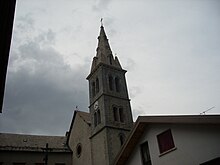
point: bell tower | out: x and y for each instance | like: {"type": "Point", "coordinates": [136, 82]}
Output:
{"type": "Point", "coordinates": [110, 110]}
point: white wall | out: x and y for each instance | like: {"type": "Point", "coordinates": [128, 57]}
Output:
{"type": "Point", "coordinates": [195, 144]}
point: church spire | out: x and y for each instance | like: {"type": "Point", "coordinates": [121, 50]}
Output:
{"type": "Point", "coordinates": [110, 109]}
{"type": "Point", "coordinates": [104, 52]}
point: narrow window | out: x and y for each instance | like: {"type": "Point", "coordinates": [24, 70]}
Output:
{"type": "Point", "coordinates": [95, 119]}
{"type": "Point", "coordinates": [121, 115]}
{"type": "Point", "coordinates": [97, 85]}
{"type": "Point", "coordinates": [98, 117]}
{"type": "Point", "coordinates": [121, 138]}
{"type": "Point", "coordinates": [117, 84]}
{"type": "Point", "coordinates": [110, 59]}
{"type": "Point", "coordinates": [93, 89]}
{"type": "Point", "coordinates": [165, 141]}
{"type": "Point", "coordinates": [145, 154]}
{"type": "Point", "coordinates": [110, 83]}
{"type": "Point", "coordinates": [115, 112]}
{"type": "Point", "coordinates": [78, 150]}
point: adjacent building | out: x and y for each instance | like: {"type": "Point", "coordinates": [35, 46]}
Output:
{"type": "Point", "coordinates": [16, 149]}
{"type": "Point", "coordinates": [7, 10]}
{"type": "Point", "coordinates": [172, 140]}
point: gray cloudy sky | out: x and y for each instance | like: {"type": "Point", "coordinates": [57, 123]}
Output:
{"type": "Point", "coordinates": [169, 47]}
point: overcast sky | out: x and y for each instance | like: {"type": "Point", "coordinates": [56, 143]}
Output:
{"type": "Point", "coordinates": [170, 48]}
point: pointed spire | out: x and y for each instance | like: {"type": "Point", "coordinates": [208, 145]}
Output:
{"type": "Point", "coordinates": [103, 48]}
{"type": "Point", "coordinates": [117, 63]}
{"type": "Point", "coordinates": [103, 51]}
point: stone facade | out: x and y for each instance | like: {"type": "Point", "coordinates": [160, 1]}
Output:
{"type": "Point", "coordinates": [110, 111]}
{"type": "Point", "coordinates": [78, 138]}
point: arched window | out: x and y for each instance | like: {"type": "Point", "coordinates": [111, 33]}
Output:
{"type": "Point", "coordinates": [97, 85]}
{"type": "Point", "coordinates": [98, 117]}
{"type": "Point", "coordinates": [95, 119]}
{"type": "Point", "coordinates": [117, 84]}
{"type": "Point", "coordinates": [93, 89]}
{"type": "Point", "coordinates": [121, 115]}
{"type": "Point", "coordinates": [122, 138]}
{"type": "Point", "coordinates": [115, 113]}
{"type": "Point", "coordinates": [118, 114]}
{"type": "Point", "coordinates": [78, 150]}
{"type": "Point", "coordinates": [110, 80]}
{"type": "Point", "coordinates": [110, 59]}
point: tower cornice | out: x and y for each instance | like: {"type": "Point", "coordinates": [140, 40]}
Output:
{"type": "Point", "coordinates": [106, 94]}
{"type": "Point", "coordinates": [107, 66]}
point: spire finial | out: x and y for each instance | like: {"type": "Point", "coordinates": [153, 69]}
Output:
{"type": "Point", "coordinates": [101, 21]}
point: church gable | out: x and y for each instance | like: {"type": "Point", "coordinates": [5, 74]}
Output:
{"type": "Point", "coordinates": [78, 138]}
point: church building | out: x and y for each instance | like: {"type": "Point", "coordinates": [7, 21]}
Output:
{"type": "Point", "coordinates": [107, 135]}
{"type": "Point", "coordinates": [101, 132]}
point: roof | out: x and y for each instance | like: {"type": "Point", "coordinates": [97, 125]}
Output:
{"type": "Point", "coordinates": [20, 142]}
{"type": "Point", "coordinates": [143, 121]}
{"type": "Point", "coordinates": [84, 115]}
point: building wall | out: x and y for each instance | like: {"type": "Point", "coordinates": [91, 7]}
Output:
{"type": "Point", "coordinates": [194, 144]}
{"type": "Point", "coordinates": [106, 145]}
{"type": "Point", "coordinates": [30, 158]}
{"type": "Point", "coordinates": [114, 143]}
{"type": "Point", "coordinates": [99, 149]}
{"type": "Point", "coordinates": [80, 134]}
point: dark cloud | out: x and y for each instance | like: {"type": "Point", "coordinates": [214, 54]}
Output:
{"type": "Point", "coordinates": [42, 90]}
